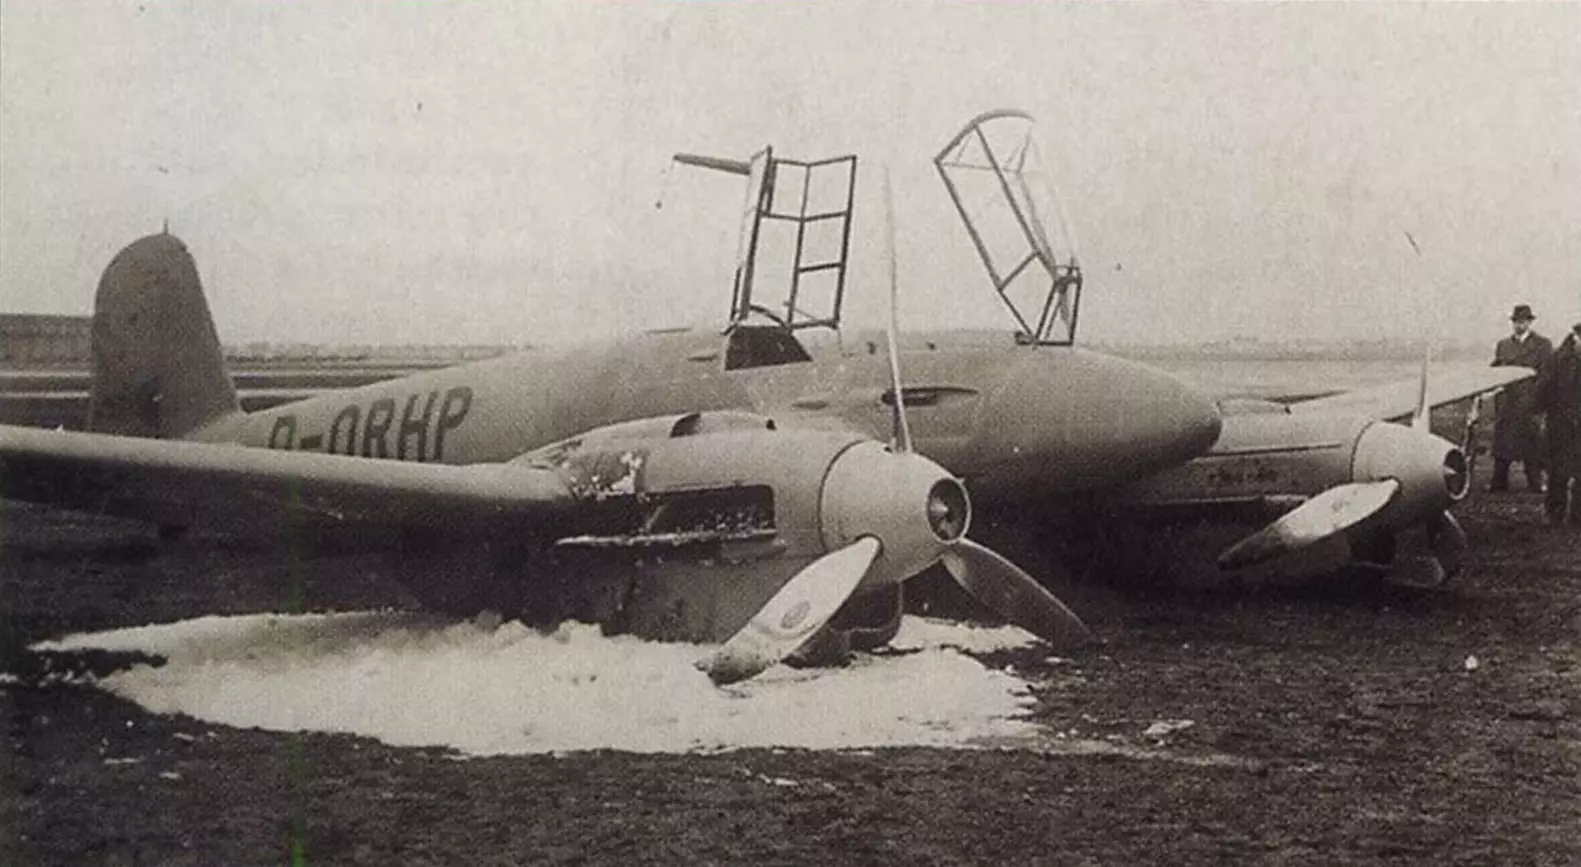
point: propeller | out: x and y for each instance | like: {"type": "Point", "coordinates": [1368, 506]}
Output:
{"type": "Point", "coordinates": [1416, 471]}
{"type": "Point", "coordinates": [1444, 534]}
{"type": "Point", "coordinates": [1334, 511]}
{"type": "Point", "coordinates": [993, 580]}
{"type": "Point", "coordinates": [878, 536]}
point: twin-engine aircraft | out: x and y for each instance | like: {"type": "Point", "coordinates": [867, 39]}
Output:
{"type": "Point", "coordinates": [744, 487]}
{"type": "Point", "coordinates": [687, 485]}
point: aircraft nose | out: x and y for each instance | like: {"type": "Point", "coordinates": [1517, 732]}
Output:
{"type": "Point", "coordinates": [1066, 419]}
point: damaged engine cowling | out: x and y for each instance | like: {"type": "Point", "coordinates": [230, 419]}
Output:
{"type": "Point", "coordinates": [755, 503]}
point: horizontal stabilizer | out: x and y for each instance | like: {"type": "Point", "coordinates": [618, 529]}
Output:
{"type": "Point", "coordinates": [1325, 515]}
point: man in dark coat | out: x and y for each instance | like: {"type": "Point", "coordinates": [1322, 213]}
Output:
{"type": "Point", "coordinates": [1559, 396]}
{"type": "Point", "coordinates": [1517, 434]}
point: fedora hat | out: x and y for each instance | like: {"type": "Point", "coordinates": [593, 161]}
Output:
{"type": "Point", "coordinates": [1522, 311]}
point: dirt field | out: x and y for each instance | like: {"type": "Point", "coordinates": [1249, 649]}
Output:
{"type": "Point", "coordinates": [1353, 730]}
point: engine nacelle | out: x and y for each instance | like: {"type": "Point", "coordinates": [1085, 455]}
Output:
{"type": "Point", "coordinates": [755, 502]}
{"type": "Point", "coordinates": [1432, 471]}
{"type": "Point", "coordinates": [1284, 458]}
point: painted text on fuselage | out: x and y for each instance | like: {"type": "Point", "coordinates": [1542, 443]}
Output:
{"type": "Point", "coordinates": [409, 429]}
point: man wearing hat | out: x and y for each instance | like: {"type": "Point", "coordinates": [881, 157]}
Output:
{"type": "Point", "coordinates": [1559, 396]}
{"type": "Point", "coordinates": [1517, 435]}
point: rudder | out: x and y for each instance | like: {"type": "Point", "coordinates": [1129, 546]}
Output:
{"type": "Point", "coordinates": [158, 369]}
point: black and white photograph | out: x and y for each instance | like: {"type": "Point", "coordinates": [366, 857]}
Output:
{"type": "Point", "coordinates": [724, 432]}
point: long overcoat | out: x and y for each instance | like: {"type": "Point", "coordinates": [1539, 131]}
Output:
{"type": "Point", "coordinates": [1558, 393]}
{"type": "Point", "coordinates": [1517, 434]}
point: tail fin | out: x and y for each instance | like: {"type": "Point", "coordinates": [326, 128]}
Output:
{"type": "Point", "coordinates": [158, 370]}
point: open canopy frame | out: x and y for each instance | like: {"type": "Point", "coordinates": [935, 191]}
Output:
{"type": "Point", "coordinates": [996, 177]}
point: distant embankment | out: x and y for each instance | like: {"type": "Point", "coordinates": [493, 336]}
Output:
{"type": "Point", "coordinates": [58, 397]}
{"type": "Point", "coordinates": [44, 362]}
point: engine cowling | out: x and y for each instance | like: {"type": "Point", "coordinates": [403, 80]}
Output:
{"type": "Point", "coordinates": [1281, 456]}
{"type": "Point", "coordinates": [752, 504]}
{"type": "Point", "coordinates": [813, 490]}
{"type": "Point", "coordinates": [1432, 471]}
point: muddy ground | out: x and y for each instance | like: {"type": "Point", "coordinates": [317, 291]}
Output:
{"type": "Point", "coordinates": [1356, 735]}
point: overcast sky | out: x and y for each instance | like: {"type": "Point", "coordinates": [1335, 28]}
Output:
{"type": "Point", "coordinates": [351, 172]}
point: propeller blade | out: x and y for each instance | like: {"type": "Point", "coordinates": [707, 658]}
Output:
{"type": "Point", "coordinates": [1333, 511]}
{"type": "Point", "coordinates": [796, 612]}
{"type": "Point", "coordinates": [1014, 595]}
{"type": "Point", "coordinates": [901, 434]}
{"type": "Point", "coordinates": [1449, 543]}
{"type": "Point", "coordinates": [1422, 416]}
{"type": "Point", "coordinates": [1468, 438]}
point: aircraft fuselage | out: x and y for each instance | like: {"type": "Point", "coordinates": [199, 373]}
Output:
{"type": "Point", "coordinates": [1015, 421]}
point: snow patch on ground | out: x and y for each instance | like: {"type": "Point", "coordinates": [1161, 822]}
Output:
{"type": "Point", "coordinates": [409, 680]}
{"type": "Point", "coordinates": [930, 632]}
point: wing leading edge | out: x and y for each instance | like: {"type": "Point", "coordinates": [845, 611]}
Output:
{"type": "Point", "coordinates": [1394, 401]}
{"type": "Point", "coordinates": [176, 481]}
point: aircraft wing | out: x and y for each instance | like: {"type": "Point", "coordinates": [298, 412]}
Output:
{"type": "Point", "coordinates": [1392, 401]}
{"type": "Point", "coordinates": [174, 481]}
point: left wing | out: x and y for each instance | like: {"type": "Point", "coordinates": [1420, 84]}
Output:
{"type": "Point", "coordinates": [1393, 401]}
{"type": "Point", "coordinates": [176, 481]}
